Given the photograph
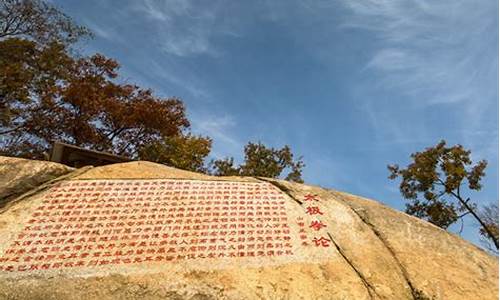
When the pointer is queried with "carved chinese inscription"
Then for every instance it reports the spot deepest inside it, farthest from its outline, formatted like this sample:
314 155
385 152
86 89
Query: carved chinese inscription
316 225
112 222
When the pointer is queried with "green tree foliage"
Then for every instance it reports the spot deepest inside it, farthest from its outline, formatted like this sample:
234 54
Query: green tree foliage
224 167
433 183
262 161
186 152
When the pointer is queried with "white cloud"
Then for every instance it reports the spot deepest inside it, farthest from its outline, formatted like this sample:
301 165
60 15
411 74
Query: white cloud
442 48
177 75
99 30
182 28
393 59
431 56
218 127
197 43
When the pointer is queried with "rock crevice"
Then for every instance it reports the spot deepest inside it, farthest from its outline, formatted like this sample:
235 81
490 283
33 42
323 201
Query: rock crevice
369 287
415 293
143 230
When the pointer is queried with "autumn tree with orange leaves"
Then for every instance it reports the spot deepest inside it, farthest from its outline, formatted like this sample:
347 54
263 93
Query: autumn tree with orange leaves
48 93
436 183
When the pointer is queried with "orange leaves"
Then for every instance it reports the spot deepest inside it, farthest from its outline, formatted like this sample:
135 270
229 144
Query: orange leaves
437 174
51 96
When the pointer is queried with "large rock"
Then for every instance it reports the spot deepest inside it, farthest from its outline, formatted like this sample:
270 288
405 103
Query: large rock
141 230
18 176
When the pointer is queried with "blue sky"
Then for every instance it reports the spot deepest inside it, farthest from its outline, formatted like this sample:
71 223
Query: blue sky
350 85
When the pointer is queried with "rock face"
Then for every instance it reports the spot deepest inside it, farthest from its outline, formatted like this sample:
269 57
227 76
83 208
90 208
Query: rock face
141 230
18 176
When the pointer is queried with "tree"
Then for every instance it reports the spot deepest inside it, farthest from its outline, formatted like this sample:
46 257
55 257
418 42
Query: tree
438 174
38 21
261 161
489 215
48 93
28 76
185 152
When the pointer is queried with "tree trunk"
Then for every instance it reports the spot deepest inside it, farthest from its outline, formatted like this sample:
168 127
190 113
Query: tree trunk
493 237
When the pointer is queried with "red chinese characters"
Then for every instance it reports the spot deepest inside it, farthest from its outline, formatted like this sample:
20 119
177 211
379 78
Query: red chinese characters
302 231
311 197
321 241
103 222
317 225
313 210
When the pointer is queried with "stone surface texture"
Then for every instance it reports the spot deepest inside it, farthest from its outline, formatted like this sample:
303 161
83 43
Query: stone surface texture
371 250
18 176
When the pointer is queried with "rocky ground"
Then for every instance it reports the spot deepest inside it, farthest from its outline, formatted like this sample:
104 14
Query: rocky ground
341 246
